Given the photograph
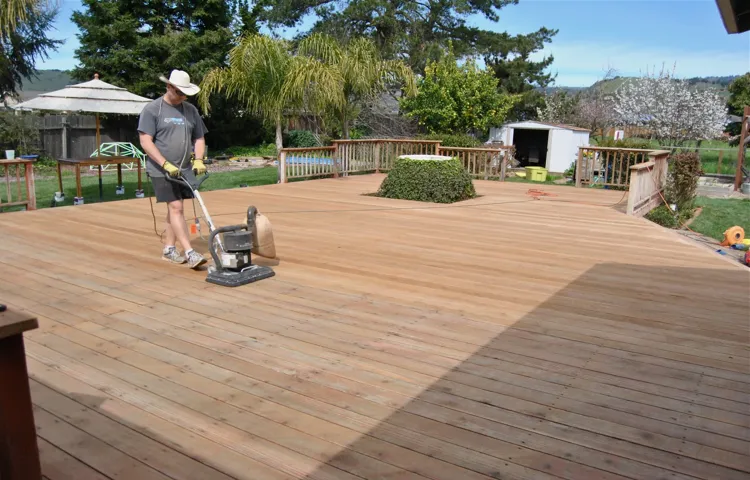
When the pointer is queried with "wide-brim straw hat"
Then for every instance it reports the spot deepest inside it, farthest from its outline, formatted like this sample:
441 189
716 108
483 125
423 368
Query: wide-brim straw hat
181 80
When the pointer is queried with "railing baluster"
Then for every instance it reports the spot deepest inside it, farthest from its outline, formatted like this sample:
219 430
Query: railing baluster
7 184
18 182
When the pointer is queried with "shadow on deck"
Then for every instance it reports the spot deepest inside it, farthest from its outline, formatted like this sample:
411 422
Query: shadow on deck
588 387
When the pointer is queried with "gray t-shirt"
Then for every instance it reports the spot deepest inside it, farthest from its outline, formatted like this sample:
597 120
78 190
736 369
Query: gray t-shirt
174 129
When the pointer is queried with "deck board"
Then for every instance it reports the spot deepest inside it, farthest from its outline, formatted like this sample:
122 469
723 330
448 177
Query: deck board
503 337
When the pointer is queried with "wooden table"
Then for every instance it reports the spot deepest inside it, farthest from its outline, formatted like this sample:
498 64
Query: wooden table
77 163
19 454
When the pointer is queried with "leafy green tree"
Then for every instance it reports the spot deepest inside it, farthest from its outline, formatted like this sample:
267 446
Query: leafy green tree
510 58
458 99
265 77
364 75
130 43
739 94
23 39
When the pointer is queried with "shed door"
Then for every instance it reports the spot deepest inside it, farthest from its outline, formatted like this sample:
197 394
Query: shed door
531 146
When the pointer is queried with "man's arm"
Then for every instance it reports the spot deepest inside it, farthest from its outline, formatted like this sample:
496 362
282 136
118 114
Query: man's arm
200 148
147 142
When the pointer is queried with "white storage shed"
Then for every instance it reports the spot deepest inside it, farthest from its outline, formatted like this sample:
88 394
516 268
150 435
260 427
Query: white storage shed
539 144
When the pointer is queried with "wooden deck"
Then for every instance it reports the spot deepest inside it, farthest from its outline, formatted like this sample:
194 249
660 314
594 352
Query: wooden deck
501 338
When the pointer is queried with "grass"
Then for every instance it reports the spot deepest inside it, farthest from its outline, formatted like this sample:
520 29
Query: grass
46 188
721 213
709 158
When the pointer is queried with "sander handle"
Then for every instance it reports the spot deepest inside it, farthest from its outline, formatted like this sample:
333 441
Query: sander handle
188 178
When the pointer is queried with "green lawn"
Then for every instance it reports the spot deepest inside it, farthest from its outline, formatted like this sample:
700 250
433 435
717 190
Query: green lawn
709 151
721 213
46 188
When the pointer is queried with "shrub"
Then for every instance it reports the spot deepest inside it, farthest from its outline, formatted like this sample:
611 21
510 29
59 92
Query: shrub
571 170
442 181
682 180
300 139
268 150
663 215
450 140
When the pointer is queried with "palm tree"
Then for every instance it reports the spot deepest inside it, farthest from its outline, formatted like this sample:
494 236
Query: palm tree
268 79
364 74
14 12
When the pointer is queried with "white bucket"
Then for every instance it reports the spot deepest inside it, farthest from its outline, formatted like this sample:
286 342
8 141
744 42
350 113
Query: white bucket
10 154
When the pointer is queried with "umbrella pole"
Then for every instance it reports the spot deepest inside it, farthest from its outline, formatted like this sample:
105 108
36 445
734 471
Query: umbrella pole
98 158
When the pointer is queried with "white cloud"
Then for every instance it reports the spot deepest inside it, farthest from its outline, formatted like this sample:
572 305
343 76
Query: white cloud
579 64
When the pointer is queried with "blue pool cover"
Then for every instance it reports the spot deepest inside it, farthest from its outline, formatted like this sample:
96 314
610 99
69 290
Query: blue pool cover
309 160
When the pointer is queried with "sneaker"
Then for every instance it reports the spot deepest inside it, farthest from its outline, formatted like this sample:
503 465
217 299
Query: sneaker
172 255
195 259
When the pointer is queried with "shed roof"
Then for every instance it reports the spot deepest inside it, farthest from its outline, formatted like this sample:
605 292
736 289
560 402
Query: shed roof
545 126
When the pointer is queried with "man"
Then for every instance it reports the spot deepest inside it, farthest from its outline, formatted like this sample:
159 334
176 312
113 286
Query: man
169 129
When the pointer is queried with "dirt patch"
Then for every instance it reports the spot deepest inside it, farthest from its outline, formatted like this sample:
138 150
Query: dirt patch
696 213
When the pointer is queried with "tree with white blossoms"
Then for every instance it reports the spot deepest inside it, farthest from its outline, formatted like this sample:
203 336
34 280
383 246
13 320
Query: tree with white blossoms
673 110
560 107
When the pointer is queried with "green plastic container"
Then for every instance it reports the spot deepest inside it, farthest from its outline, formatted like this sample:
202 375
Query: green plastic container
536 174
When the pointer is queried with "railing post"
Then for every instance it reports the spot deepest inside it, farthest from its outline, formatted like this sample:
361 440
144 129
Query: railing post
282 167
504 165
335 157
30 187
578 167
376 152
744 132
633 191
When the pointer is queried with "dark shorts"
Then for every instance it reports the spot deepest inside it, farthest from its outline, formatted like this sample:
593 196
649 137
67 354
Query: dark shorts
166 191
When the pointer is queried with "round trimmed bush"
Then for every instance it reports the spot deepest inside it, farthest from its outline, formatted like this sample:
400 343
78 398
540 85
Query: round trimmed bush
424 180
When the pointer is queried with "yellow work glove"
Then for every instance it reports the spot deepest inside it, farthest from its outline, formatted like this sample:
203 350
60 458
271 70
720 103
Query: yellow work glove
172 171
198 167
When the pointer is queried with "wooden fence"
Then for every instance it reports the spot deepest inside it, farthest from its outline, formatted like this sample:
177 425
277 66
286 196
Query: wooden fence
647 183
14 171
378 155
74 136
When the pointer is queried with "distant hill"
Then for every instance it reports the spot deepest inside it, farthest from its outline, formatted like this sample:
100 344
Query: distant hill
719 84
45 81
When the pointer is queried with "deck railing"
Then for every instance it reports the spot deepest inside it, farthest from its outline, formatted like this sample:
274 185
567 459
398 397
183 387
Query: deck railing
378 155
484 163
24 196
608 166
307 163
647 183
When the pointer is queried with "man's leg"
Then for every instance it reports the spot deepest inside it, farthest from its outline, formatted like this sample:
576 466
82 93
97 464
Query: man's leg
170 252
180 232
176 226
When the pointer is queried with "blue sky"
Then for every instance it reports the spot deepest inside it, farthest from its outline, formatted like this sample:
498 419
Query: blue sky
631 36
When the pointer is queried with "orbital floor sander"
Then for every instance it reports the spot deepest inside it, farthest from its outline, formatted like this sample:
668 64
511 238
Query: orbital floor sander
231 247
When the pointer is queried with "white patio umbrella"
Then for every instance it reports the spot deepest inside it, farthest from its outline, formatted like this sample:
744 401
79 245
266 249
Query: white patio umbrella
94 96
